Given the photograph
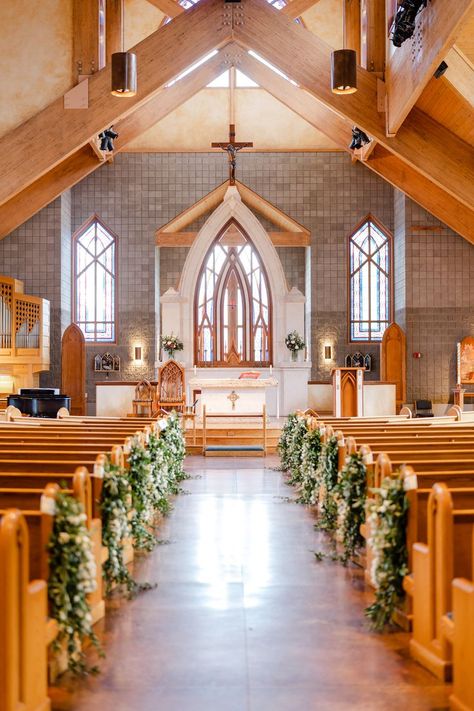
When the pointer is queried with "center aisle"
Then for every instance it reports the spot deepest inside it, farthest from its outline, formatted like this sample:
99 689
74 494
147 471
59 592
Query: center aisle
244 618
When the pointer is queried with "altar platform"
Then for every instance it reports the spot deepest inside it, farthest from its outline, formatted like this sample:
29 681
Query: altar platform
231 432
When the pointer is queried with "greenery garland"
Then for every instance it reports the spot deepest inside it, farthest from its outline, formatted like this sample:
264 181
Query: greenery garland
326 480
285 441
116 509
159 460
387 522
296 450
351 493
175 451
310 455
143 486
72 576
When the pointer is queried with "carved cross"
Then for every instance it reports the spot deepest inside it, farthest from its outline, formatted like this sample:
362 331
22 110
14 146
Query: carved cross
233 397
232 147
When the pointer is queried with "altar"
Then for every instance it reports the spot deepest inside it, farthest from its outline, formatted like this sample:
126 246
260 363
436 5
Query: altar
232 396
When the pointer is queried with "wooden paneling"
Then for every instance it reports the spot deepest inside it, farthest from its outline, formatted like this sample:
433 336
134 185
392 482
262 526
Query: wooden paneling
351 26
444 104
373 35
73 368
348 395
460 73
421 143
411 66
394 357
158 61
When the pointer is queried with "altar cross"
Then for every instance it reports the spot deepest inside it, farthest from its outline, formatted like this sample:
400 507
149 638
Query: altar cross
232 147
233 397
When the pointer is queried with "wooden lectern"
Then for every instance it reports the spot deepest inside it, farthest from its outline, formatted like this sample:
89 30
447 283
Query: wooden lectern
348 392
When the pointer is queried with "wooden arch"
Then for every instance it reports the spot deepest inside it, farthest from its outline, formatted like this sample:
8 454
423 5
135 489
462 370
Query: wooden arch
73 368
394 358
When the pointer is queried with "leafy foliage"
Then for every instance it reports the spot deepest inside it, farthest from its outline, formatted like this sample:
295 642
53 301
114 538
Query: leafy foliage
285 441
310 455
326 478
387 522
351 494
72 577
142 479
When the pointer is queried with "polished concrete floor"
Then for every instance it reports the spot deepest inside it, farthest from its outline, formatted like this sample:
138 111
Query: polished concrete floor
243 618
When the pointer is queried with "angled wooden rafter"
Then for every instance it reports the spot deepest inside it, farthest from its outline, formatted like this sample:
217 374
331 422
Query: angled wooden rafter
170 8
78 166
291 234
295 8
438 26
421 143
56 133
381 161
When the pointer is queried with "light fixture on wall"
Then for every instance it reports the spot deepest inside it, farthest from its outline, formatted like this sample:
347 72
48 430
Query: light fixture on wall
138 353
327 352
343 71
405 20
440 70
124 70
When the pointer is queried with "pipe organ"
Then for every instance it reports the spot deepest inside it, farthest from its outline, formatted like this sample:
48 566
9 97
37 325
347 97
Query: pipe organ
24 334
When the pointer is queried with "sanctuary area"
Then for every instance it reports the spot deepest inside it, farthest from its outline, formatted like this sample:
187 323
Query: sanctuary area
236 245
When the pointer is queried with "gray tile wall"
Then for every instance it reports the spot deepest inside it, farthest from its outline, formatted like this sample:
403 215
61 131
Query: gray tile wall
323 191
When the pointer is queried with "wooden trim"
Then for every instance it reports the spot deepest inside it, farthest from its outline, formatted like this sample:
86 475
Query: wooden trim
186 239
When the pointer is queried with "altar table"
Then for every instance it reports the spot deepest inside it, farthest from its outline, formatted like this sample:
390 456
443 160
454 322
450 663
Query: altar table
232 396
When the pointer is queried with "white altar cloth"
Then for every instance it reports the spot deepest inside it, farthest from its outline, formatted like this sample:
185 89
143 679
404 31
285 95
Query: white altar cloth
232 396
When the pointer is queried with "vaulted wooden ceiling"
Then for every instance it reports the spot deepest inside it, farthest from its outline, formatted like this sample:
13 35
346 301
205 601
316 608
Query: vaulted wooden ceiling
422 128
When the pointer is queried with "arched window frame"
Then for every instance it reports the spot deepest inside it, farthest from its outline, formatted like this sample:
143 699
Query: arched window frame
249 326
78 234
350 241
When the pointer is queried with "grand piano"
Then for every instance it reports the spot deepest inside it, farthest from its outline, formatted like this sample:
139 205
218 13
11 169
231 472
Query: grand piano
39 402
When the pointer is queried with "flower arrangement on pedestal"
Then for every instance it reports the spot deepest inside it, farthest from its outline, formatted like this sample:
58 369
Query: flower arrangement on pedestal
294 342
170 344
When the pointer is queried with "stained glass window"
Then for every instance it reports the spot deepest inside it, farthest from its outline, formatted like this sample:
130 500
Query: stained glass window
232 306
370 257
95 281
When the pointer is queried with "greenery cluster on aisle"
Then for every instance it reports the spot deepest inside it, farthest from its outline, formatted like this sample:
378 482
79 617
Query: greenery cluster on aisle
341 498
72 577
132 495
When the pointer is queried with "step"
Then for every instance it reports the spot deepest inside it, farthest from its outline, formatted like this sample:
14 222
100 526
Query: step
234 451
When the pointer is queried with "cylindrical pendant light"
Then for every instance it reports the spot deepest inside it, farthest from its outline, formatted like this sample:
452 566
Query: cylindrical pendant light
124 74
344 71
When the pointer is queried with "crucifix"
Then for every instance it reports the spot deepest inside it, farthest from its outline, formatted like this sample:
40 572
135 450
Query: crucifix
232 147
233 397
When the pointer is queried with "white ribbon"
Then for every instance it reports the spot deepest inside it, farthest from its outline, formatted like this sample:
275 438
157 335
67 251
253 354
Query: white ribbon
47 505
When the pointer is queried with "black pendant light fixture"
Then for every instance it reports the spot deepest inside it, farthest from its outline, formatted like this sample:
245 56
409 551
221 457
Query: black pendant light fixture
124 70
344 71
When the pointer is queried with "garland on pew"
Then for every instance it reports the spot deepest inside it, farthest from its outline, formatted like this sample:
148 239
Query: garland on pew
116 508
143 480
159 459
326 480
295 452
285 441
387 521
310 455
175 451
72 576
351 496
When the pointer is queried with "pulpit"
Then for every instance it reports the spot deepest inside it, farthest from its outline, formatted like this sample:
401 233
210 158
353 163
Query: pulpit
348 392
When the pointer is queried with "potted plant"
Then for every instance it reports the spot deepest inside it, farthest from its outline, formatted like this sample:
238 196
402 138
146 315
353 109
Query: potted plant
294 342
170 344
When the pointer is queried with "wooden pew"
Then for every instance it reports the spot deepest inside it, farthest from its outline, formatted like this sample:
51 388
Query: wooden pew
447 554
459 629
25 630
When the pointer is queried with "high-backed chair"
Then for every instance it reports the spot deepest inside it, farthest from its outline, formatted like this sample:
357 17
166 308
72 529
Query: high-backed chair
423 408
170 391
144 398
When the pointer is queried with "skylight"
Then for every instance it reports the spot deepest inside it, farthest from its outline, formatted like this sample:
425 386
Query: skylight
194 66
242 81
271 66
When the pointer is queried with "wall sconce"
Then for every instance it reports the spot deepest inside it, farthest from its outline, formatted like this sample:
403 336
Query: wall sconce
327 352
138 353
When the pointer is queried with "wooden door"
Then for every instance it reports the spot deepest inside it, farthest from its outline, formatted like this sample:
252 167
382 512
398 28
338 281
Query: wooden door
73 368
394 357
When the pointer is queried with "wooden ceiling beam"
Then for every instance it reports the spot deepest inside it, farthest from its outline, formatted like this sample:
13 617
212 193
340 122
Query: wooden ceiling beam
460 73
78 166
169 7
88 34
114 18
373 35
296 8
351 26
54 133
406 75
278 239
421 143
381 161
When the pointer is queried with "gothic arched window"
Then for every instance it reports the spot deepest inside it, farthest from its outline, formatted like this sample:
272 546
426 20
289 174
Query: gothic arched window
232 304
94 279
370 281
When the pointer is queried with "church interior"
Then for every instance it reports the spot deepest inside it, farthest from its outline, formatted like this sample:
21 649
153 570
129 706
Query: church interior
236 355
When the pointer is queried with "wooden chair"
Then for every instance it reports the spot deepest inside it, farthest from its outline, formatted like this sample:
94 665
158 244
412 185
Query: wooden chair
144 398
170 391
